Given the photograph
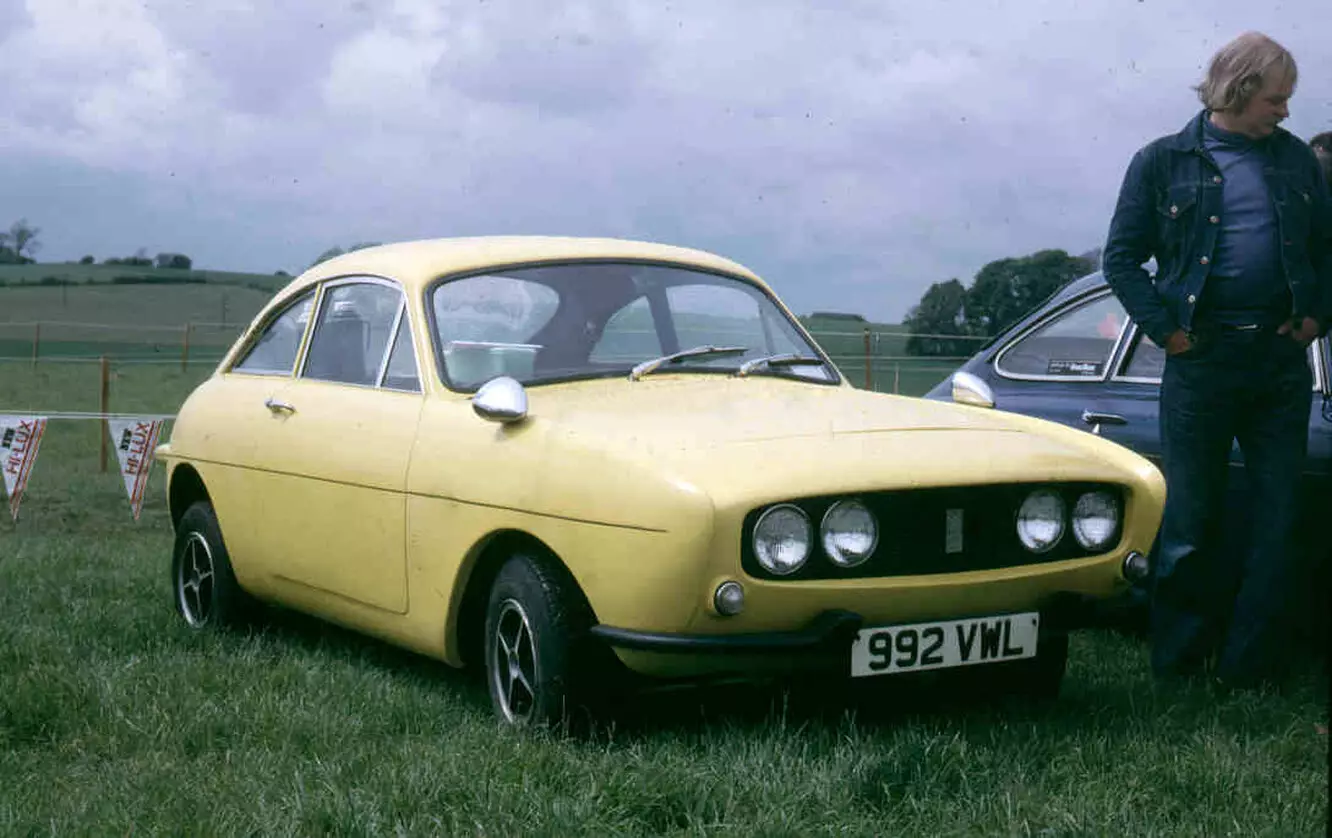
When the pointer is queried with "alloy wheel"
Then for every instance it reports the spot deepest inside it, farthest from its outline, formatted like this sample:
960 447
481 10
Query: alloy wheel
194 581
513 663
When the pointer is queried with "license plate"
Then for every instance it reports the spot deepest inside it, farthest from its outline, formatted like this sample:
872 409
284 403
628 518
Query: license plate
911 648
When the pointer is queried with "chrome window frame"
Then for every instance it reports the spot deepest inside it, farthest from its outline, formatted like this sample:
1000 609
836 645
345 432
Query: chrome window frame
1112 358
250 341
362 279
398 320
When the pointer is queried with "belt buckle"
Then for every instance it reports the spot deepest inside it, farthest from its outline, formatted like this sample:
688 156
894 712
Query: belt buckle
1247 327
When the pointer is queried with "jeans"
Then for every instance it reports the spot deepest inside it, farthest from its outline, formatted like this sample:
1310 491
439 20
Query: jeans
1254 386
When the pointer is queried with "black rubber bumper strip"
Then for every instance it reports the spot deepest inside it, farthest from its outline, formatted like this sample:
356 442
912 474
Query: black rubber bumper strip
829 628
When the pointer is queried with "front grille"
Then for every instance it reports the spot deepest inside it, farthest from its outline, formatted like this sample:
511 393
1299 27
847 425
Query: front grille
913 531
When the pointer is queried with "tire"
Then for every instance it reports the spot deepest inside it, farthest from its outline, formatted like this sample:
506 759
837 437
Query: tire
536 628
203 584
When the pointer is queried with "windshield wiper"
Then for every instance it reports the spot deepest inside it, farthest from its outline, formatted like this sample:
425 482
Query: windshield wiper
674 358
786 360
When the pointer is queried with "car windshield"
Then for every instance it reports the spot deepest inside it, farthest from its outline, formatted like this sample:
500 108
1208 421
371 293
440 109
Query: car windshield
587 320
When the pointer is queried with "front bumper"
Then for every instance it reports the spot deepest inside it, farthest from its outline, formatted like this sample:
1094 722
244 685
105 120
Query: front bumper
832 630
829 629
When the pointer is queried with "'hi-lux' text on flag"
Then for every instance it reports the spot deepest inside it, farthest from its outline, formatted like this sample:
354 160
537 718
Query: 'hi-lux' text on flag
134 441
20 437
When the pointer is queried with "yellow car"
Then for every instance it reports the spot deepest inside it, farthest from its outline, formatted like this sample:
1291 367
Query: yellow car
558 459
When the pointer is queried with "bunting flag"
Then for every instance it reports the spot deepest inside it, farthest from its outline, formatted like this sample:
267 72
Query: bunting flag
135 440
20 437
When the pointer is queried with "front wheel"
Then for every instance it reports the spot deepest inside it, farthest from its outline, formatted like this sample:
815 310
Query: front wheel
535 621
203 585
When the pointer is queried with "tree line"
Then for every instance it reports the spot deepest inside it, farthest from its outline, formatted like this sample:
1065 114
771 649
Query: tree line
1001 293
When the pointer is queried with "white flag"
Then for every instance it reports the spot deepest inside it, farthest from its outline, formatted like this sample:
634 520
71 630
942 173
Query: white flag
134 441
20 437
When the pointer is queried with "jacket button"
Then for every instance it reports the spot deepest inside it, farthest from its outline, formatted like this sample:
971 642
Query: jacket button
1215 219
1192 299
1204 260
1174 210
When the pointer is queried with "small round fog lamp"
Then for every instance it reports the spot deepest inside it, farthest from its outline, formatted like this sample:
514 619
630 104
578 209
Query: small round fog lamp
729 598
1137 567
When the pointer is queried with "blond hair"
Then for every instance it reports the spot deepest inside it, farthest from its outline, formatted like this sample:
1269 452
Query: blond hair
1238 69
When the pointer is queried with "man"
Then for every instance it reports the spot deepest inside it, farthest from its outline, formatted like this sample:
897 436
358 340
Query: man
1322 146
1236 212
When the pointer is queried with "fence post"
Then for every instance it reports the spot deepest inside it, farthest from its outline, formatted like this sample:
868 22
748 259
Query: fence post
36 342
185 349
106 394
869 378
897 376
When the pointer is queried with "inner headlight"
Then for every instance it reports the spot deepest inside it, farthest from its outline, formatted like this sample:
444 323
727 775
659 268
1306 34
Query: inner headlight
1095 519
849 533
781 539
1040 520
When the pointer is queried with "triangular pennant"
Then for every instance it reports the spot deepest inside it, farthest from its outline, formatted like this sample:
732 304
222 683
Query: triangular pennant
135 440
20 437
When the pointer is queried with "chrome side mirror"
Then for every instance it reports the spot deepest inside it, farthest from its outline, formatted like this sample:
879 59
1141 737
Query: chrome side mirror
969 388
501 399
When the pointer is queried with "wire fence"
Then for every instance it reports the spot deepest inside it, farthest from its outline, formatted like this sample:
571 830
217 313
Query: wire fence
874 359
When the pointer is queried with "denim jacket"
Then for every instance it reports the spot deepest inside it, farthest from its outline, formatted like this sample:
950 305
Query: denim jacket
1170 207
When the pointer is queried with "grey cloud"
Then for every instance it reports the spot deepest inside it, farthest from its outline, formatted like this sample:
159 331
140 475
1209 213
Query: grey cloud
546 58
852 154
268 59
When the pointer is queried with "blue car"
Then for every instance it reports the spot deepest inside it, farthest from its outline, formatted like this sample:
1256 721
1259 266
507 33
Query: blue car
1078 359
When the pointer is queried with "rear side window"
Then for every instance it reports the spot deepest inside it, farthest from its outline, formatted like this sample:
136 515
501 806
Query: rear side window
1076 344
274 352
355 325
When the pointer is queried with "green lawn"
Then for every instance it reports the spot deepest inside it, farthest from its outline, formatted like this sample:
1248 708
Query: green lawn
115 720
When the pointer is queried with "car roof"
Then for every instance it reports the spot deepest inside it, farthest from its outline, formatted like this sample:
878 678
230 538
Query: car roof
1077 288
417 263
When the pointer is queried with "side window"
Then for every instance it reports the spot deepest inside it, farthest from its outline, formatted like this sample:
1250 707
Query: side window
1075 345
401 373
1145 360
274 353
629 335
352 333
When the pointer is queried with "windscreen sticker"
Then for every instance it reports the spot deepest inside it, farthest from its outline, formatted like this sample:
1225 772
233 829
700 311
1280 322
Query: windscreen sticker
1062 366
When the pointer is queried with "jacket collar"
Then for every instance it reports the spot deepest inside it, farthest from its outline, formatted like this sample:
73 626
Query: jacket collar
1191 138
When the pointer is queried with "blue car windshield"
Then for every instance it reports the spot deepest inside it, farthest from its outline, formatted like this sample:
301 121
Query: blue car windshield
596 319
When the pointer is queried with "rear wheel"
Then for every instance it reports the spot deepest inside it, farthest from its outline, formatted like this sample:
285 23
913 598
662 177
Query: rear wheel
203 585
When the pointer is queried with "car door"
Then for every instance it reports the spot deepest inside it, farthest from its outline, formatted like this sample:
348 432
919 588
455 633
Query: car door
337 447
1070 367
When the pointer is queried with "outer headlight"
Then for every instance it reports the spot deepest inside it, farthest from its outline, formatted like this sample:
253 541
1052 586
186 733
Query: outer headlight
1095 519
782 539
1040 520
849 533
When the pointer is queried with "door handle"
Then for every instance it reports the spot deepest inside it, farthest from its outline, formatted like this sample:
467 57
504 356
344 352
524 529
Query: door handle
1096 420
276 406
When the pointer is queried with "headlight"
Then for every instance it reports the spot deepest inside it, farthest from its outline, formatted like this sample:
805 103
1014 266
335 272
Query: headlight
1040 521
781 539
849 533
1095 519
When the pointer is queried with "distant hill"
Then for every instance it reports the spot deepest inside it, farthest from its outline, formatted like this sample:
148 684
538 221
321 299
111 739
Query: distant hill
66 273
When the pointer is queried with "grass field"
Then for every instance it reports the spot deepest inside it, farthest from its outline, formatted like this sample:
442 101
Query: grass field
115 720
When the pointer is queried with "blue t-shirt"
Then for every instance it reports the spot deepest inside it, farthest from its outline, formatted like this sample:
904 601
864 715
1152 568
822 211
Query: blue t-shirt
1246 283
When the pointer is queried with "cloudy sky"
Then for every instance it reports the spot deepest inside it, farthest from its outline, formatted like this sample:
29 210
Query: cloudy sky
850 152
